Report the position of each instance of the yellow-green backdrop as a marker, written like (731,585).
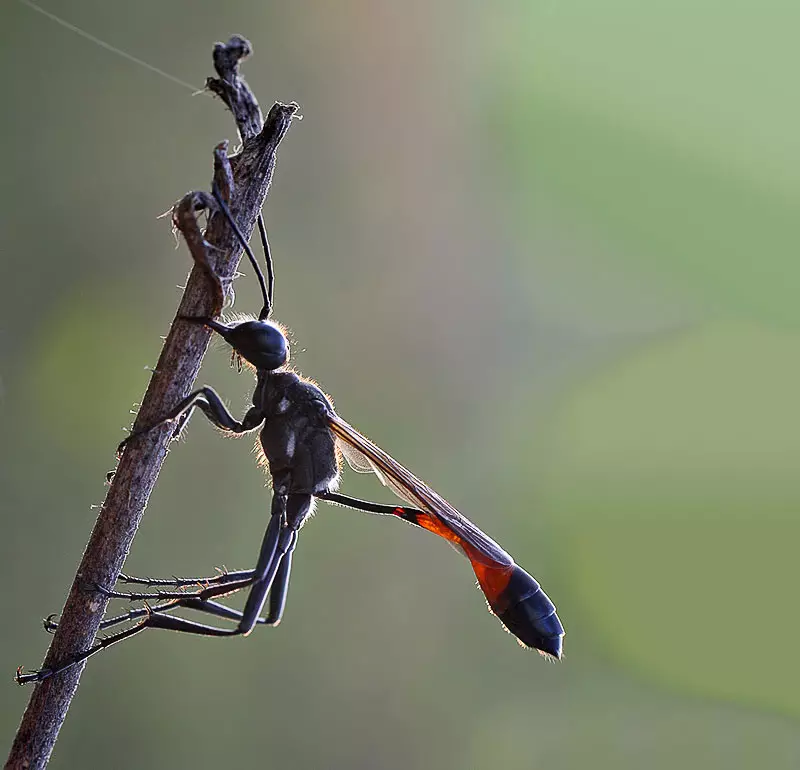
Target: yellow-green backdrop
(546,254)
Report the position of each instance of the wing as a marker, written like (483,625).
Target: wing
(360,463)
(513,595)
(444,520)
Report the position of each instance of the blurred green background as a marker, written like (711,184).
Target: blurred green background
(545,253)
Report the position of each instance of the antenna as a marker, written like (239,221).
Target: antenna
(267,295)
(262,229)
(268,287)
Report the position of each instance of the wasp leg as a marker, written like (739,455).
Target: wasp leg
(192,603)
(177,582)
(51,625)
(279,540)
(207,400)
(280,588)
(222,585)
(203,594)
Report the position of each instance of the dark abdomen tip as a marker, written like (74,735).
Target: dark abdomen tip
(527,612)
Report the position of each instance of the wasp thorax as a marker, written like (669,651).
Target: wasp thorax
(262,343)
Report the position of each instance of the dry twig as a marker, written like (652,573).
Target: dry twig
(247,177)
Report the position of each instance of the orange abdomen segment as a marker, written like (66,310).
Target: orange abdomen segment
(514,596)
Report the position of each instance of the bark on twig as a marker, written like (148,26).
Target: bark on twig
(177,367)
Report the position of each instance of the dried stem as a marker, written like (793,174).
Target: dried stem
(245,178)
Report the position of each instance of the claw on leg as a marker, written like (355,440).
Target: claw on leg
(49,624)
(33,676)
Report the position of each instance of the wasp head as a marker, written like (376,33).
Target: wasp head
(261,343)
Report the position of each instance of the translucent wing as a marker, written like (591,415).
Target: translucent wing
(514,596)
(360,463)
(363,455)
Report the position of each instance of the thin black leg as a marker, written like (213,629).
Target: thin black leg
(218,610)
(51,625)
(219,585)
(177,582)
(266,292)
(261,588)
(264,567)
(262,229)
(207,400)
(192,603)
(210,592)
(277,541)
(280,587)
(46,673)
(128,616)
(298,510)
(153,620)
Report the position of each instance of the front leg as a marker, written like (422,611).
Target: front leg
(211,405)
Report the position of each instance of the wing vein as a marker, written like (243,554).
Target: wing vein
(410,488)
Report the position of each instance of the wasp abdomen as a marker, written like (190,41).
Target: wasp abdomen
(527,612)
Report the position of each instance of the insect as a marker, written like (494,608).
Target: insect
(302,438)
